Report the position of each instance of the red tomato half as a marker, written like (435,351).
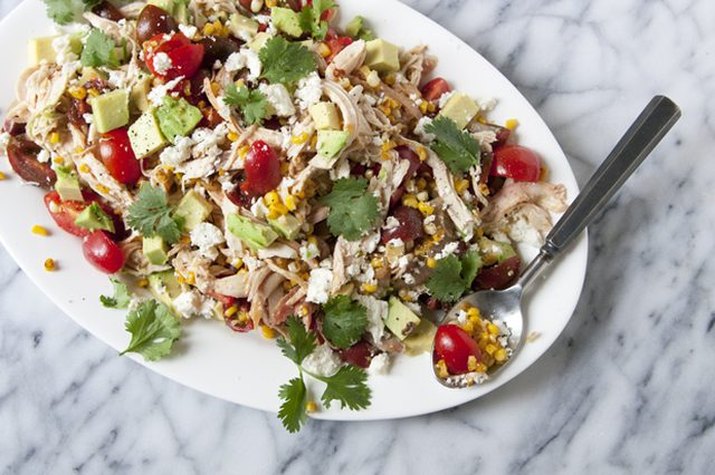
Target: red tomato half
(117,154)
(336,43)
(455,346)
(516,162)
(433,89)
(102,252)
(184,57)
(65,212)
(262,169)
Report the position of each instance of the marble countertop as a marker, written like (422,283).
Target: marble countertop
(626,389)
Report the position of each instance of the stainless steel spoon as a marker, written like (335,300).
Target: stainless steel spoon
(505,305)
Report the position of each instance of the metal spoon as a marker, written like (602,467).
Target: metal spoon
(505,305)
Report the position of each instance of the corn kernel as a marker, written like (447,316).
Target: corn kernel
(480,368)
(93,92)
(243,151)
(303,310)
(377,262)
(431,262)
(230,311)
(425,209)
(511,124)
(102,189)
(290,202)
(500,355)
(473,312)
(84,168)
(40,230)
(441,368)
(209,29)
(324,50)
(490,349)
(311,406)
(58,161)
(78,93)
(422,153)
(423,106)
(54,137)
(215,88)
(300,139)
(390,79)
(468,327)
(271,3)
(268,332)
(2,176)
(461,185)
(492,329)
(368,288)
(232,136)
(143,283)
(410,200)
(472,363)
(50,264)
(271,198)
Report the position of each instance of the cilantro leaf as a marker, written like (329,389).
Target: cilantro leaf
(154,330)
(284,61)
(252,103)
(93,217)
(99,50)
(344,322)
(121,296)
(310,18)
(457,148)
(300,341)
(349,387)
(150,215)
(63,12)
(353,210)
(292,412)
(452,276)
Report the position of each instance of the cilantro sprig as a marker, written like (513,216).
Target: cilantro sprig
(344,322)
(252,103)
(285,62)
(453,276)
(348,386)
(353,210)
(99,50)
(154,330)
(310,18)
(121,297)
(457,148)
(151,215)
(64,12)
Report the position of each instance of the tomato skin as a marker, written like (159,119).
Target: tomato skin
(432,90)
(102,252)
(499,276)
(335,42)
(410,227)
(360,354)
(516,162)
(455,346)
(64,213)
(117,154)
(185,56)
(262,169)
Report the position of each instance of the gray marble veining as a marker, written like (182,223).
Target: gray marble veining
(626,389)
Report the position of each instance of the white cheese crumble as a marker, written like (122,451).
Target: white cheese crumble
(63,50)
(323,361)
(178,153)
(206,237)
(391,223)
(376,315)
(157,94)
(244,59)
(88,118)
(409,278)
(259,209)
(447,250)
(116,78)
(487,104)
(444,98)
(162,63)
(309,91)
(319,285)
(278,97)
(43,156)
(379,364)
(462,317)
(188,30)
(308,251)
(190,304)
(420,129)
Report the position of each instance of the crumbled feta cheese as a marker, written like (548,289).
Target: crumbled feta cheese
(376,315)
(63,50)
(462,317)
(188,30)
(259,209)
(369,243)
(420,129)
(206,237)
(367,276)
(444,98)
(308,251)
(117,78)
(191,303)
(178,153)
(162,63)
(208,140)
(391,223)
(266,20)
(157,94)
(402,263)
(88,118)
(319,285)
(408,278)
(309,91)
(244,59)
(379,364)
(278,97)
(43,156)
(487,104)
(323,361)
(447,250)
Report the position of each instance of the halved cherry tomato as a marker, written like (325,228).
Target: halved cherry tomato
(455,346)
(184,56)
(360,354)
(410,227)
(117,154)
(262,169)
(64,213)
(432,90)
(336,43)
(499,276)
(102,252)
(516,162)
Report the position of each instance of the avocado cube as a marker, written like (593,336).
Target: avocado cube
(139,96)
(400,319)
(145,135)
(287,21)
(242,27)
(165,287)
(382,56)
(460,108)
(193,209)
(256,235)
(325,115)
(40,49)
(352,29)
(259,41)
(155,250)
(331,142)
(94,217)
(421,338)
(67,185)
(110,110)
(177,118)
(288,225)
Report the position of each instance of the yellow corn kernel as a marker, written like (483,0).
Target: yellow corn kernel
(268,332)
(368,288)
(312,240)
(143,283)
(511,124)
(472,363)
(281,208)
(364,71)
(473,312)
(50,264)
(271,198)
(215,88)
(230,311)
(290,202)
(390,79)
(468,327)
(78,93)
(431,262)
(492,329)
(272,214)
(300,139)
(209,29)
(422,153)
(500,355)
(243,151)
(377,262)
(480,368)
(271,3)
(58,161)
(421,184)
(461,185)
(438,236)
(311,406)
(441,368)
(2,176)
(410,200)
(406,295)
(102,189)
(84,168)
(93,92)
(40,230)
(303,310)
(237,263)
(425,208)
(54,137)
(490,349)
(324,50)
(423,106)
(232,136)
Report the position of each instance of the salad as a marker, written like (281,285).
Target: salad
(253,163)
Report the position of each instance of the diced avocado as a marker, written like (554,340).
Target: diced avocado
(145,135)
(331,142)
(67,185)
(175,8)
(493,252)
(354,26)
(165,287)
(40,49)
(177,118)
(242,27)
(193,209)
(460,108)
(287,21)
(382,56)
(421,338)
(155,250)
(110,110)
(400,319)
(259,41)
(139,95)
(256,235)
(325,115)
(93,217)
(288,225)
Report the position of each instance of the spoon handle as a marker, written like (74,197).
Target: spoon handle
(639,140)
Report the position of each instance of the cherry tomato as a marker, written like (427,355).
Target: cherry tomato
(336,43)
(102,252)
(117,154)
(64,213)
(455,346)
(410,227)
(499,276)
(22,155)
(152,21)
(360,354)
(432,90)
(184,56)
(262,169)
(516,162)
